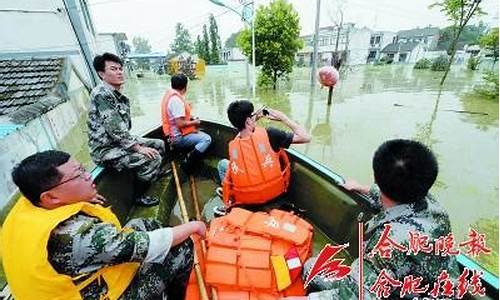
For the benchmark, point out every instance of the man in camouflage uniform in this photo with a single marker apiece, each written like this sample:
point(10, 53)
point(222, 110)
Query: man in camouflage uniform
point(109, 123)
point(404, 172)
point(82, 244)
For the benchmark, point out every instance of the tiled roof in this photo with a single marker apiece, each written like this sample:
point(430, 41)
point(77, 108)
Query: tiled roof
point(418, 32)
point(24, 82)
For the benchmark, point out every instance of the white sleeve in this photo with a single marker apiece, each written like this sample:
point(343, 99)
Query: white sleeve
point(160, 241)
point(176, 107)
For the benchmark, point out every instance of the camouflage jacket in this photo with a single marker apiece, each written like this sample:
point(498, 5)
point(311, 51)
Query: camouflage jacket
point(109, 123)
point(426, 217)
point(83, 244)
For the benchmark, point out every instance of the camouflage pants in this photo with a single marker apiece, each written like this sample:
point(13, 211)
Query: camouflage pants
point(167, 280)
point(145, 168)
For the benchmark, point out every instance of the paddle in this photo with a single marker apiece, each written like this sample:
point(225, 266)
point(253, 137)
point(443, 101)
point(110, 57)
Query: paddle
point(185, 218)
point(194, 195)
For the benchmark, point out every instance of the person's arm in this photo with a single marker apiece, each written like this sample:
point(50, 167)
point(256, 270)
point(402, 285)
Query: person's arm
point(113, 123)
point(178, 112)
point(182, 232)
point(300, 134)
point(372, 192)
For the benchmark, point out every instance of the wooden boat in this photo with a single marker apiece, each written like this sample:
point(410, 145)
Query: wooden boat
point(314, 189)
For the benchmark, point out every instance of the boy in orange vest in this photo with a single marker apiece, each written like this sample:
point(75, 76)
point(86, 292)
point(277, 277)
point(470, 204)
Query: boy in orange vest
point(59, 242)
point(242, 116)
point(179, 125)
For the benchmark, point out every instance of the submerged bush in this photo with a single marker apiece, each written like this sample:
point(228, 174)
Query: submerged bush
point(489, 88)
point(440, 63)
point(422, 63)
point(473, 63)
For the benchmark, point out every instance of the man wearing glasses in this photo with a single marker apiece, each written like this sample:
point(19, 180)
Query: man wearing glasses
point(59, 242)
point(109, 123)
point(257, 170)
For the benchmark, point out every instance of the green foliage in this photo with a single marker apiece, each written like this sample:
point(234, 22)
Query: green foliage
point(384, 60)
point(440, 63)
point(231, 40)
point(215, 44)
point(469, 36)
point(277, 33)
point(422, 63)
point(141, 45)
point(489, 87)
point(205, 45)
point(459, 12)
point(473, 63)
point(490, 41)
point(182, 41)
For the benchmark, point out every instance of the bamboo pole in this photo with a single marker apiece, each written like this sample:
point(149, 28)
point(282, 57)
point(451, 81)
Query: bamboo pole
point(185, 217)
point(194, 195)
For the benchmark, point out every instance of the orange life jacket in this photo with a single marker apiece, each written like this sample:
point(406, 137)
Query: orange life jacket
point(165, 115)
point(240, 246)
point(256, 174)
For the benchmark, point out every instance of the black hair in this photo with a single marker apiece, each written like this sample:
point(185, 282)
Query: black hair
point(37, 173)
point(404, 170)
point(100, 61)
point(178, 81)
point(238, 112)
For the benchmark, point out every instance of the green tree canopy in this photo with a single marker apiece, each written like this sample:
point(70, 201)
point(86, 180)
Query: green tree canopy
point(469, 36)
point(141, 45)
point(231, 41)
point(182, 41)
point(277, 39)
point(460, 12)
point(490, 42)
point(215, 44)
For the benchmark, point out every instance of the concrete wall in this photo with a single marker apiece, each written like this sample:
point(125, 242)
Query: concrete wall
point(34, 28)
point(50, 131)
point(106, 43)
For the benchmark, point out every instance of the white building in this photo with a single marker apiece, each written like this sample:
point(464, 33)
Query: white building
point(233, 54)
point(113, 42)
point(378, 41)
point(352, 42)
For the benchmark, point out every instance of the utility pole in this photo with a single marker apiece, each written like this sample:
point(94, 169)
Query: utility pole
point(315, 42)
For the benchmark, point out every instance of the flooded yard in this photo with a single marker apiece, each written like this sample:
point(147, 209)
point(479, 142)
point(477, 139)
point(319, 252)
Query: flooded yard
point(371, 104)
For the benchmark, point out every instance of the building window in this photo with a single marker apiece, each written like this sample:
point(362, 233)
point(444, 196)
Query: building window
point(377, 39)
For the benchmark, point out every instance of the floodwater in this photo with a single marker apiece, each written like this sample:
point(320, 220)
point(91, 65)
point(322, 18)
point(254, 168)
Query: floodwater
point(371, 104)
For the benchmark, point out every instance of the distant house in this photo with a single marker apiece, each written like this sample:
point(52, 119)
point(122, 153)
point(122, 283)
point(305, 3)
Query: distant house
point(41, 100)
point(378, 41)
point(408, 46)
point(351, 42)
point(114, 42)
point(233, 54)
point(50, 28)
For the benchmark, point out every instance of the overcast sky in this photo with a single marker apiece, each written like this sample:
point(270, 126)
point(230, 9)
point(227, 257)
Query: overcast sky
point(156, 19)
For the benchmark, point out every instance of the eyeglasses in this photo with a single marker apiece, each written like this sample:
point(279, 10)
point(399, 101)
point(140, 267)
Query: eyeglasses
point(81, 172)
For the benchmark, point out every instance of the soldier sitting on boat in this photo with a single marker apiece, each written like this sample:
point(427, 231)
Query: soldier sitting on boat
point(258, 169)
point(109, 123)
point(59, 242)
point(404, 171)
point(180, 126)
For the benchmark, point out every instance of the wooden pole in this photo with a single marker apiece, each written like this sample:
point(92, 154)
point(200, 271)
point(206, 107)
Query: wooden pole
point(194, 195)
point(185, 218)
point(330, 93)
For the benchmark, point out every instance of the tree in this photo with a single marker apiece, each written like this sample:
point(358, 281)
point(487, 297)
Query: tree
point(231, 40)
point(490, 41)
point(277, 39)
point(459, 12)
point(182, 41)
point(215, 44)
point(141, 45)
point(469, 36)
point(205, 45)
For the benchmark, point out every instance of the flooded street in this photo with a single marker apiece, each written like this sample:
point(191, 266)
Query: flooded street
point(371, 104)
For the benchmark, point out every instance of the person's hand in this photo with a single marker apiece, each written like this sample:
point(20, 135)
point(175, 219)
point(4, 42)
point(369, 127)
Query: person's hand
point(98, 199)
point(353, 185)
point(199, 228)
point(148, 152)
point(276, 115)
point(196, 122)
